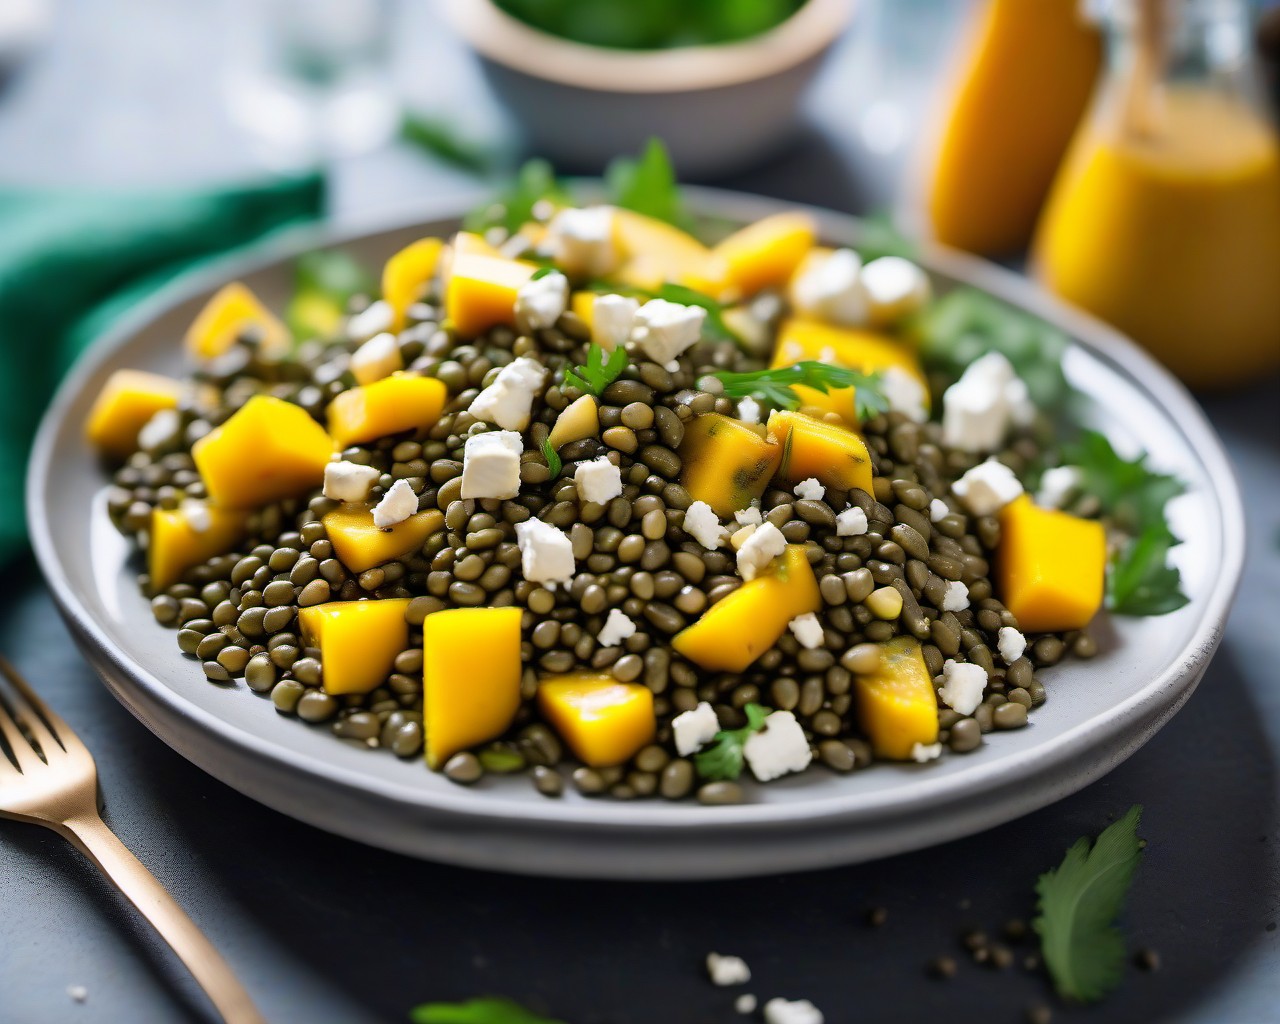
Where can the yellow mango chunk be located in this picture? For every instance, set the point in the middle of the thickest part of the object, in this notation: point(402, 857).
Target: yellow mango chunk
point(1050, 568)
point(392, 405)
point(833, 454)
point(603, 721)
point(737, 629)
point(188, 535)
point(406, 274)
point(765, 254)
point(359, 545)
point(578, 420)
point(583, 305)
point(231, 311)
point(481, 292)
point(267, 450)
point(468, 243)
point(655, 252)
point(127, 400)
point(471, 678)
point(897, 705)
point(726, 463)
point(358, 641)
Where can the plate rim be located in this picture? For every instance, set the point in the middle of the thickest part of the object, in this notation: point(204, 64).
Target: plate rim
point(1165, 690)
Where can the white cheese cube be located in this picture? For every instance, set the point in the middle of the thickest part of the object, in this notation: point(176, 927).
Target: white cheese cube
point(830, 288)
point(540, 301)
point(598, 480)
point(665, 329)
point(852, 522)
point(904, 393)
point(374, 319)
point(508, 401)
point(778, 748)
point(612, 319)
point(491, 465)
point(748, 410)
point(975, 409)
point(749, 516)
point(617, 627)
point(798, 1011)
point(764, 545)
point(727, 970)
point(956, 597)
point(987, 488)
point(895, 287)
point(810, 489)
point(1011, 643)
point(1057, 485)
point(962, 687)
point(546, 554)
point(938, 510)
point(807, 630)
point(397, 505)
point(581, 241)
point(1017, 397)
point(349, 481)
point(377, 358)
point(694, 729)
point(703, 525)
point(922, 753)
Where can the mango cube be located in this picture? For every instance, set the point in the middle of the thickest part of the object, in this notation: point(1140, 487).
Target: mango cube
point(358, 641)
point(186, 536)
point(897, 705)
point(726, 463)
point(833, 454)
point(765, 254)
point(737, 629)
point(392, 405)
point(655, 252)
point(603, 721)
point(405, 275)
point(471, 678)
point(233, 310)
point(360, 545)
point(481, 292)
point(1050, 568)
point(126, 402)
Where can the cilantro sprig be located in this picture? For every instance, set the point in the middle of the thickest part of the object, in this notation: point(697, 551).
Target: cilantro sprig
point(777, 386)
point(486, 1010)
point(552, 456)
point(724, 760)
point(599, 371)
point(1079, 902)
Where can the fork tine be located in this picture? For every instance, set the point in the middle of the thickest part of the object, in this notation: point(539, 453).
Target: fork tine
point(19, 749)
point(37, 714)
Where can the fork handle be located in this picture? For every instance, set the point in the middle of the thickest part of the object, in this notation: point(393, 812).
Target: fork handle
point(90, 834)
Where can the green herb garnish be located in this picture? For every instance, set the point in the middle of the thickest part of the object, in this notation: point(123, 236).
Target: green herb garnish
point(724, 760)
point(1079, 902)
point(488, 1010)
point(777, 386)
point(1140, 580)
point(513, 207)
point(647, 184)
point(544, 271)
point(599, 371)
point(443, 140)
point(880, 237)
point(324, 282)
point(552, 456)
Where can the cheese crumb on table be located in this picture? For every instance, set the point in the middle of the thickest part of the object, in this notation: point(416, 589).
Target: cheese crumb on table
point(702, 524)
point(778, 748)
point(963, 684)
point(764, 545)
point(852, 522)
point(377, 358)
point(956, 597)
point(727, 970)
point(78, 993)
point(540, 301)
point(617, 627)
point(491, 465)
point(665, 329)
point(807, 630)
point(987, 488)
point(1012, 644)
point(598, 480)
point(546, 554)
point(745, 1003)
point(349, 481)
point(612, 320)
point(695, 728)
point(799, 1011)
point(810, 489)
point(397, 505)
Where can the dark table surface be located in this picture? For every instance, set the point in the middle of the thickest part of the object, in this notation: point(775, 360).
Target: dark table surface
point(325, 930)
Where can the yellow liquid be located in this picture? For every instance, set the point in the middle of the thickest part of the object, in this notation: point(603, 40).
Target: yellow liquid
point(1175, 238)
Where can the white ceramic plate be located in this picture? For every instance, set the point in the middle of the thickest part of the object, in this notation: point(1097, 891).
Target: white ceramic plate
point(1098, 713)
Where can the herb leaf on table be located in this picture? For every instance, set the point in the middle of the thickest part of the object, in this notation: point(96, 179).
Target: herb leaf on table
point(724, 760)
point(777, 386)
point(486, 1010)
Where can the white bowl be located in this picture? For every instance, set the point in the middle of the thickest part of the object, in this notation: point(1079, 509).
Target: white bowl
point(718, 108)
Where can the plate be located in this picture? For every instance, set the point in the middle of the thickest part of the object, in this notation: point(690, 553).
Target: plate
point(1098, 712)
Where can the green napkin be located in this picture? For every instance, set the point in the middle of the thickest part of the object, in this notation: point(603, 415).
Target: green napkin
point(69, 263)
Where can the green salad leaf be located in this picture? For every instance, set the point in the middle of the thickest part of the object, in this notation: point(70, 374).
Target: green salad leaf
point(599, 371)
point(486, 1010)
point(1079, 902)
point(325, 280)
point(724, 760)
point(647, 184)
point(443, 140)
point(513, 207)
point(777, 386)
point(553, 458)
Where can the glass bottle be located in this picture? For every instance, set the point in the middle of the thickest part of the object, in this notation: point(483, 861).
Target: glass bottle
point(1165, 217)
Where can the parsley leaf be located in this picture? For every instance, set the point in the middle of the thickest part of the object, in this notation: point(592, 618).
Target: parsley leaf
point(599, 372)
point(552, 456)
point(1141, 581)
point(513, 207)
point(1132, 495)
point(1079, 902)
point(647, 184)
point(488, 1010)
point(777, 386)
point(442, 139)
point(724, 760)
point(324, 282)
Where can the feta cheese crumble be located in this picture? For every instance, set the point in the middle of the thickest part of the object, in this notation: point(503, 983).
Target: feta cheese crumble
point(778, 748)
point(938, 510)
point(598, 480)
point(987, 488)
point(546, 554)
point(962, 687)
point(665, 329)
point(727, 970)
point(612, 319)
point(922, 753)
point(508, 401)
point(374, 319)
point(749, 516)
point(540, 301)
point(397, 505)
point(197, 515)
point(895, 287)
point(1011, 644)
point(852, 522)
point(830, 288)
point(764, 545)
point(956, 597)
point(904, 393)
point(349, 481)
point(745, 1003)
point(807, 630)
point(163, 425)
point(582, 240)
point(694, 729)
point(491, 465)
point(1056, 485)
point(748, 410)
point(617, 627)
point(976, 409)
point(810, 489)
point(798, 1011)
point(78, 993)
point(377, 358)
point(702, 525)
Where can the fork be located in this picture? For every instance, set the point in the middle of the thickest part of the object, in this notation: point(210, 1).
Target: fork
point(49, 778)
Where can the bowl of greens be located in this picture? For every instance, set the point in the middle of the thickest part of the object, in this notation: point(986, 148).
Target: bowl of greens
point(588, 79)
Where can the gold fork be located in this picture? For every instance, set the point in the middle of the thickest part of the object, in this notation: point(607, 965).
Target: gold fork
point(47, 777)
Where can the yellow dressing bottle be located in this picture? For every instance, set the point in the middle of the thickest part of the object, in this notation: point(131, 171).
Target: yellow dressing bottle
point(1028, 68)
point(1165, 219)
